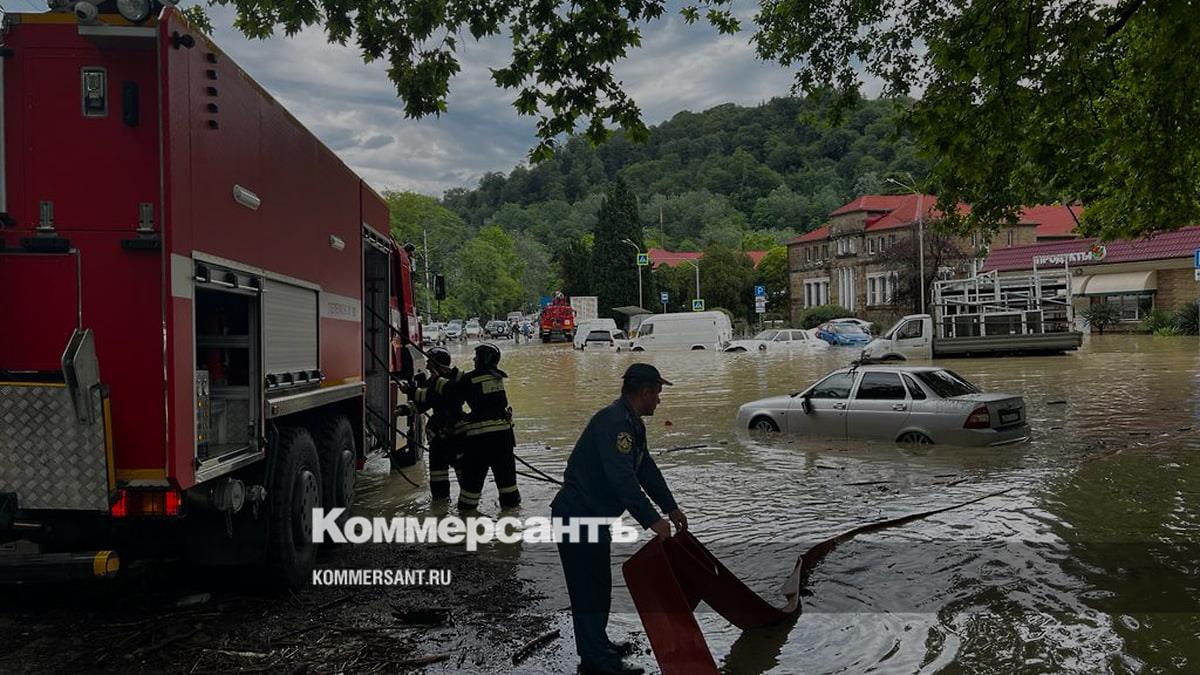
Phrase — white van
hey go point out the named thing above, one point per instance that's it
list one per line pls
(582, 328)
(683, 330)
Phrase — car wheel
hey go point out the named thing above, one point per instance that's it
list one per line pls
(914, 438)
(762, 348)
(736, 349)
(697, 348)
(892, 357)
(763, 423)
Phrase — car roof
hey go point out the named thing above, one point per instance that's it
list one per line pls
(889, 369)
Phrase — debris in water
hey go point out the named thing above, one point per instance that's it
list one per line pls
(193, 600)
(533, 645)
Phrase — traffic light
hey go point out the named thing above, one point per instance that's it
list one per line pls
(439, 287)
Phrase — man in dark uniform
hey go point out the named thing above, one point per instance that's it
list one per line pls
(606, 473)
(444, 430)
(487, 432)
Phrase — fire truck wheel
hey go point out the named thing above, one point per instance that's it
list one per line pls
(296, 491)
(335, 445)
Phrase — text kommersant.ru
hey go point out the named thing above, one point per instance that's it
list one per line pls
(474, 530)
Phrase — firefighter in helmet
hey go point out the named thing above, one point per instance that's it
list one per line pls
(487, 433)
(445, 418)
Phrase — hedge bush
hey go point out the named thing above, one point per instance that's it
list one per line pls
(815, 316)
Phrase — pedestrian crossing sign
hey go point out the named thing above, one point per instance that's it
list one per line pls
(643, 259)
(698, 305)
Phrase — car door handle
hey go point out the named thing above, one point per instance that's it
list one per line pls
(899, 406)
(839, 406)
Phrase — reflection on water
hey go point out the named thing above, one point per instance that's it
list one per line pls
(1084, 564)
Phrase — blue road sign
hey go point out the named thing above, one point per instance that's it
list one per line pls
(760, 291)
(643, 259)
(698, 305)
(1198, 258)
(664, 297)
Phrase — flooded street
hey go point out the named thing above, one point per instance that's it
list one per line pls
(1084, 563)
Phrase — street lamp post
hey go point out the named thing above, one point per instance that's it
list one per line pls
(697, 266)
(920, 231)
(639, 267)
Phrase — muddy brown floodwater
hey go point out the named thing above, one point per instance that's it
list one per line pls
(1086, 563)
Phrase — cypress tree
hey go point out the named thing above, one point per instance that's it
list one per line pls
(614, 272)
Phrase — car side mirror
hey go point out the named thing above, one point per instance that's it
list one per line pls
(806, 404)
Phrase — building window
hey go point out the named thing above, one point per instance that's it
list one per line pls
(881, 288)
(1010, 237)
(816, 292)
(824, 251)
(891, 240)
(871, 245)
(846, 288)
(1133, 306)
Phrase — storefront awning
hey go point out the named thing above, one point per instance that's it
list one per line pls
(1120, 282)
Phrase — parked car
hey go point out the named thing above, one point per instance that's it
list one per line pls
(496, 328)
(473, 329)
(906, 404)
(433, 333)
(861, 323)
(605, 339)
(842, 334)
(583, 327)
(454, 330)
(683, 330)
(777, 340)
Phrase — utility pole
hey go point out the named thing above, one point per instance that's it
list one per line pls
(428, 288)
(639, 267)
(697, 266)
(662, 234)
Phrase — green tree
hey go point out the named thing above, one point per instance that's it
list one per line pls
(727, 280)
(1021, 101)
(772, 272)
(483, 280)
(614, 274)
(575, 267)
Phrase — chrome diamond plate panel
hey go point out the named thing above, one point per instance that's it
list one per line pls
(48, 458)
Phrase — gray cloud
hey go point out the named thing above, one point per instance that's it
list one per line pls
(353, 108)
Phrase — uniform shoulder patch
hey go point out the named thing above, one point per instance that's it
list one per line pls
(624, 443)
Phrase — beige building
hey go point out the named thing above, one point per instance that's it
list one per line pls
(1136, 276)
(839, 263)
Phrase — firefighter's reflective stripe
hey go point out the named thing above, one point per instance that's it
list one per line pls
(442, 474)
(470, 498)
(421, 395)
(508, 490)
(485, 427)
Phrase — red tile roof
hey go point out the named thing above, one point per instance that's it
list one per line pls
(1054, 221)
(1178, 244)
(816, 235)
(870, 203)
(660, 256)
(905, 213)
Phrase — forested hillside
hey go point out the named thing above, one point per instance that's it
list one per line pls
(731, 177)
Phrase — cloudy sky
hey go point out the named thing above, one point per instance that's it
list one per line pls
(353, 108)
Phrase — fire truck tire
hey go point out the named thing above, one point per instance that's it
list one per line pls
(295, 492)
(335, 445)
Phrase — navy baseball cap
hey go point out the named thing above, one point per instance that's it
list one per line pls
(643, 373)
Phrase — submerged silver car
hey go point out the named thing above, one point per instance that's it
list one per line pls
(906, 404)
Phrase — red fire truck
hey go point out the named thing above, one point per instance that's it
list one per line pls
(203, 318)
(557, 322)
